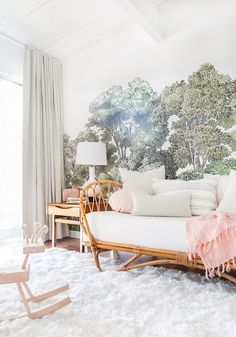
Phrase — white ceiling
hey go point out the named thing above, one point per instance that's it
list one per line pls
(63, 28)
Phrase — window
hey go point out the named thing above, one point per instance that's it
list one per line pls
(10, 159)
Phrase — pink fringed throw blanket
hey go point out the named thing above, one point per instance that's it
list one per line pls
(213, 238)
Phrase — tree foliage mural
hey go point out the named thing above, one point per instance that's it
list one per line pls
(190, 125)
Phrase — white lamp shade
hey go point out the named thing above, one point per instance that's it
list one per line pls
(91, 154)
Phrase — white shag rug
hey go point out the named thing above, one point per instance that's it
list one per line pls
(151, 302)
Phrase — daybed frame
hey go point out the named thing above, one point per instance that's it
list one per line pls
(94, 197)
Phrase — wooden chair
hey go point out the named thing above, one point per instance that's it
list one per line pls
(20, 276)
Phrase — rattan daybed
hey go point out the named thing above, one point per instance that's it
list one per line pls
(135, 234)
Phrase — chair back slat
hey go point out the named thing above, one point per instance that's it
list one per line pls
(95, 198)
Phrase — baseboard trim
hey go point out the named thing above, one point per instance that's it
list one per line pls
(74, 234)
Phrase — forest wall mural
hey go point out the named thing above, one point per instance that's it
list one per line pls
(190, 127)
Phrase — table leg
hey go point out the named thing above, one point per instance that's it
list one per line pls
(54, 232)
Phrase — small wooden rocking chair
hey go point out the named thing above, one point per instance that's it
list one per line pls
(20, 276)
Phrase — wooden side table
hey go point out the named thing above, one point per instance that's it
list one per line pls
(61, 213)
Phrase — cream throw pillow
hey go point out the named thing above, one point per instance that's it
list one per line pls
(173, 205)
(222, 182)
(228, 203)
(142, 180)
(203, 192)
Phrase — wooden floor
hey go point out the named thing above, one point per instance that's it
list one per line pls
(67, 243)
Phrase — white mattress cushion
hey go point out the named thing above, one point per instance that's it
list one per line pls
(154, 232)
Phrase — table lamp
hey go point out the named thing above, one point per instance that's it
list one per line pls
(91, 154)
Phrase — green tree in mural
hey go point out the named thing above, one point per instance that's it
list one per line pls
(230, 123)
(231, 120)
(170, 101)
(118, 114)
(201, 105)
(70, 146)
(109, 118)
(190, 123)
(146, 153)
(222, 167)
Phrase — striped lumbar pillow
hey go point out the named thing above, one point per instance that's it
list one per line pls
(203, 193)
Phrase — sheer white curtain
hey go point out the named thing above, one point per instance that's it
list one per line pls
(10, 159)
(43, 168)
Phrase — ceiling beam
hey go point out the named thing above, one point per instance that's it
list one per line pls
(147, 15)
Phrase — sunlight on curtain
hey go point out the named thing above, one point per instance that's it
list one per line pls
(10, 159)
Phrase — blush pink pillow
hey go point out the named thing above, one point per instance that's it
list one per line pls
(70, 193)
(122, 201)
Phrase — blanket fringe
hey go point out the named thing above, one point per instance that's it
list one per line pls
(218, 271)
(220, 244)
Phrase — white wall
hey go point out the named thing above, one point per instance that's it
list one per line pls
(133, 53)
(11, 61)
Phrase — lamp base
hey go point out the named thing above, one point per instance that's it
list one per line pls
(91, 178)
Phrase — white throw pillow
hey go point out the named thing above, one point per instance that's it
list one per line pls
(142, 180)
(222, 182)
(203, 192)
(228, 203)
(173, 205)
